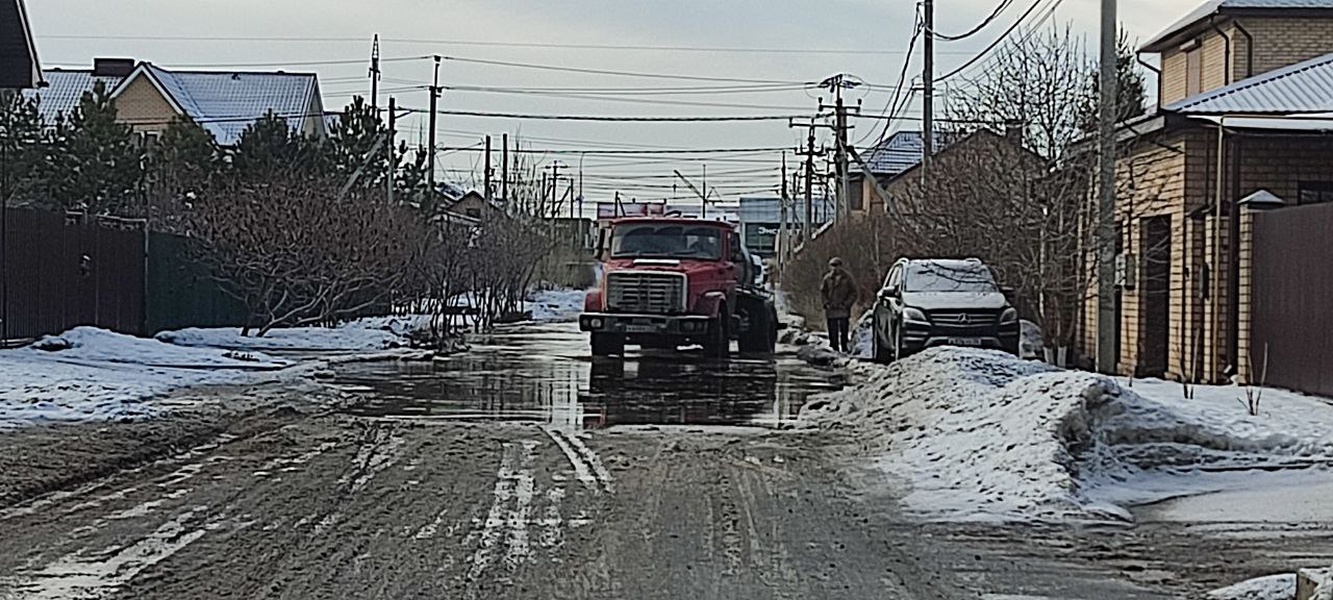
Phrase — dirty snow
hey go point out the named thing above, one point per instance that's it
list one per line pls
(981, 435)
(1325, 578)
(373, 333)
(863, 337)
(100, 375)
(558, 305)
(1030, 340)
(1272, 587)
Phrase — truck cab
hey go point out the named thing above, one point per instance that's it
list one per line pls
(668, 282)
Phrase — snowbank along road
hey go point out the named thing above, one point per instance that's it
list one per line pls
(524, 470)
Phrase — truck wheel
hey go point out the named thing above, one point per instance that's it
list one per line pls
(760, 336)
(718, 344)
(607, 344)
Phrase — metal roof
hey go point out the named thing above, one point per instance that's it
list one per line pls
(1214, 7)
(899, 152)
(1302, 88)
(64, 90)
(226, 103)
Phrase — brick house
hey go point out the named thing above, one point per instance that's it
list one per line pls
(224, 103)
(1240, 85)
(19, 68)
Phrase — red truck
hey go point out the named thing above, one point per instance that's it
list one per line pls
(668, 282)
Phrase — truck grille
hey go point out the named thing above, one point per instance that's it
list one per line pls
(963, 321)
(645, 292)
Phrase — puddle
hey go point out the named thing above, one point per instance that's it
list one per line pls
(544, 374)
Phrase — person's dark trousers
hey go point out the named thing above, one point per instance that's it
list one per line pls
(837, 334)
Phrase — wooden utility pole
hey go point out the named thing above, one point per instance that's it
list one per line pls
(928, 87)
(487, 172)
(780, 245)
(1106, 314)
(808, 227)
(434, 105)
(504, 167)
(393, 158)
(375, 73)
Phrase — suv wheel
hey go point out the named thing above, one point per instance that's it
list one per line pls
(607, 344)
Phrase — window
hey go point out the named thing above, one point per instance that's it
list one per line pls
(855, 195)
(954, 276)
(1314, 192)
(1194, 71)
(702, 242)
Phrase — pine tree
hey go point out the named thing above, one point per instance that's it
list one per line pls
(98, 166)
(1130, 89)
(182, 165)
(23, 150)
(270, 149)
(359, 140)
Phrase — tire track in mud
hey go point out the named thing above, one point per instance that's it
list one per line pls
(587, 465)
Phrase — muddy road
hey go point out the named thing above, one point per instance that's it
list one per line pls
(520, 470)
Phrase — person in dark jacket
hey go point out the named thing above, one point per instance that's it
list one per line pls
(839, 294)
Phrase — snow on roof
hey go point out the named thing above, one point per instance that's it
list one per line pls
(1305, 87)
(225, 103)
(1220, 6)
(65, 89)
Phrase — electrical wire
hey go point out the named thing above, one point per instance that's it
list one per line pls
(993, 44)
(1000, 8)
(902, 80)
(597, 98)
(520, 65)
(605, 118)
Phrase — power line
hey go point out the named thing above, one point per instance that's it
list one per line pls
(663, 102)
(679, 151)
(902, 80)
(519, 65)
(482, 43)
(1048, 12)
(1000, 8)
(994, 43)
(603, 118)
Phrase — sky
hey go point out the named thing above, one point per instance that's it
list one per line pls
(749, 58)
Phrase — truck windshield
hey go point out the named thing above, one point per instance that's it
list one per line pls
(949, 277)
(666, 241)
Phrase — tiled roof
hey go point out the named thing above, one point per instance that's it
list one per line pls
(1220, 6)
(65, 89)
(226, 103)
(1302, 88)
(900, 152)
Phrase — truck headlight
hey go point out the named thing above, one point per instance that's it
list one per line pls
(913, 314)
(595, 323)
(1008, 316)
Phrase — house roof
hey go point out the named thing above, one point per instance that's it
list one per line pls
(1164, 39)
(225, 103)
(222, 102)
(1302, 88)
(899, 152)
(64, 90)
(18, 54)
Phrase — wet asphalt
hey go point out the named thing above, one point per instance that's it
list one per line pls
(525, 469)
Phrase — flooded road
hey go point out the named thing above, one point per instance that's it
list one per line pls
(543, 374)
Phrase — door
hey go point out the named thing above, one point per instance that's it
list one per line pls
(1155, 316)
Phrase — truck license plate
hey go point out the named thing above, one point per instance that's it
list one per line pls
(965, 341)
(632, 328)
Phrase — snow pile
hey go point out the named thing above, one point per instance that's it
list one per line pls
(559, 305)
(1272, 587)
(1325, 578)
(863, 337)
(981, 435)
(94, 374)
(373, 333)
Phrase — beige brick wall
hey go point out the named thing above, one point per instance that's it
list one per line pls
(1172, 83)
(1284, 41)
(140, 104)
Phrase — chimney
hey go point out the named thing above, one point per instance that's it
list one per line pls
(1013, 131)
(113, 67)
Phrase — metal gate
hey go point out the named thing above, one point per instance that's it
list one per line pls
(62, 271)
(1292, 283)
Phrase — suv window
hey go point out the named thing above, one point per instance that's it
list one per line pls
(949, 277)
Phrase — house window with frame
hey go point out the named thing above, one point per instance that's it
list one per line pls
(1194, 71)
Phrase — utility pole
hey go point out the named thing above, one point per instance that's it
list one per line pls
(393, 139)
(504, 168)
(836, 84)
(434, 105)
(487, 172)
(1106, 330)
(808, 228)
(375, 73)
(928, 87)
(703, 210)
(781, 246)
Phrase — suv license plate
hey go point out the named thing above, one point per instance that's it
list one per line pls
(965, 341)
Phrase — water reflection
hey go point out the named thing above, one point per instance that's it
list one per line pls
(544, 374)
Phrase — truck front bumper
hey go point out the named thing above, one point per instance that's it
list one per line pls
(636, 324)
